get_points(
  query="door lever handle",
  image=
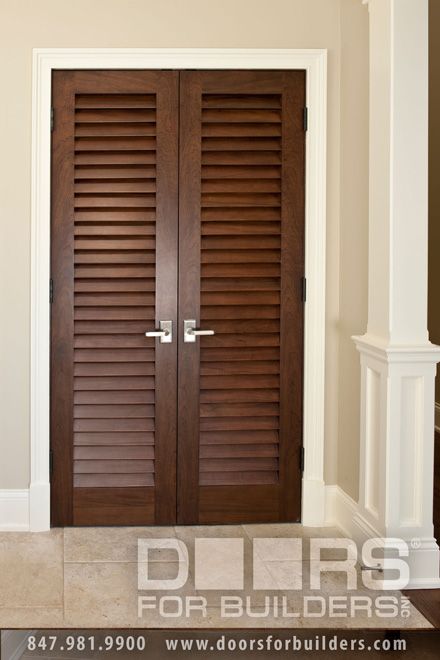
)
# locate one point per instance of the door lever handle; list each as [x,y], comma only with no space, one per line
[165,332]
[190,332]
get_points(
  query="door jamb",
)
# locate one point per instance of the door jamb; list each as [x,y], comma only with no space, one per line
[314,62]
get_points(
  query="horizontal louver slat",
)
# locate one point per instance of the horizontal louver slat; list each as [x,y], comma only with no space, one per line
[114,290]
[240,289]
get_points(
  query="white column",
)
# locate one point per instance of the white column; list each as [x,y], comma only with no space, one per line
[397,359]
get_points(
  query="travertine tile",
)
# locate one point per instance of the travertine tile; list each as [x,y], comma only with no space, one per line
[31,617]
[31,569]
[188,533]
[258,590]
[290,530]
[296,531]
[100,594]
[90,544]
[287,575]
[101,582]
[106,594]
[255,617]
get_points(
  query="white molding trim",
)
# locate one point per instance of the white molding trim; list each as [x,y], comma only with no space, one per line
[437,417]
[14,510]
[343,512]
[314,62]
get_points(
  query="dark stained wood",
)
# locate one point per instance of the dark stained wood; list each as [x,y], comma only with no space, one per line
[427,601]
[189,294]
[292,270]
[129,506]
[114,265]
[129,160]
[62,312]
[255,504]
[166,299]
[242,181]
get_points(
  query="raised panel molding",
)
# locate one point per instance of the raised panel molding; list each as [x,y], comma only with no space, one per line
[372,435]
[397,405]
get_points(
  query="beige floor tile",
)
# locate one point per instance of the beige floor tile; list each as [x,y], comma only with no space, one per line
[188,533]
[31,569]
[256,617]
[296,531]
[290,530]
[284,619]
[163,573]
[220,566]
[106,595]
[287,575]
[31,617]
[106,544]
[101,585]
[100,594]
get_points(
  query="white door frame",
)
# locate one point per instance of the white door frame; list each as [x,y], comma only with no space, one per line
[314,62]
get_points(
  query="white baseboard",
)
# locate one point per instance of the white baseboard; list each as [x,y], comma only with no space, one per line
[437,417]
[14,510]
[339,508]
[14,643]
[343,512]
[39,506]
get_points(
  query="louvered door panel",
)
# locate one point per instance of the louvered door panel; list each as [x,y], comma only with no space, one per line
[242,214]
[251,402]
[114,268]
[101,129]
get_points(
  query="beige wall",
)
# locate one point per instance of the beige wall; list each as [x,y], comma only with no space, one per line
[353,265]
[338,25]
[434,179]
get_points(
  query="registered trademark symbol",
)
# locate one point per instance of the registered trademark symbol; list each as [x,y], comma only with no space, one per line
[415,544]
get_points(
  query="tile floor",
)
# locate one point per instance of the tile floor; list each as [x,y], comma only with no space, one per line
[87,577]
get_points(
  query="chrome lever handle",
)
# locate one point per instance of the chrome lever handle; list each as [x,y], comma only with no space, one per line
[190,332]
[165,333]
[197,333]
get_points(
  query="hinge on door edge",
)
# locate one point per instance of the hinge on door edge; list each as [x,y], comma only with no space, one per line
[51,290]
[301,459]
[306,118]
[52,113]
[303,289]
[51,462]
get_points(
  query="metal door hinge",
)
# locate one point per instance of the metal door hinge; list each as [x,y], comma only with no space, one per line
[303,289]
[51,290]
[52,114]
[51,462]
[301,459]
[306,118]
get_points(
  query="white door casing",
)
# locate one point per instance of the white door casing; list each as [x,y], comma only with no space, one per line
[314,62]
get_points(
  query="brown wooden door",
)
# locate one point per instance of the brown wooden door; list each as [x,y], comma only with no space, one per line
[241,220]
[114,270]
[124,215]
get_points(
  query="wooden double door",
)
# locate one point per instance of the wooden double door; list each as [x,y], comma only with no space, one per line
[177,206]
